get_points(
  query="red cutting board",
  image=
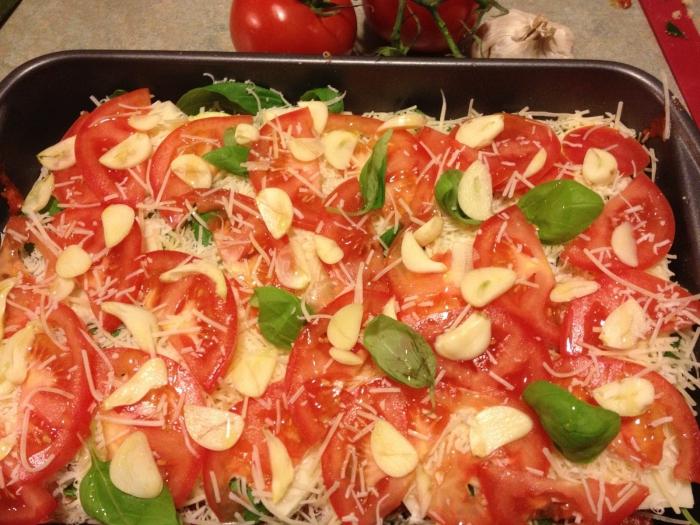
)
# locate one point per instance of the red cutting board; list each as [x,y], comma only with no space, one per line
[682,54]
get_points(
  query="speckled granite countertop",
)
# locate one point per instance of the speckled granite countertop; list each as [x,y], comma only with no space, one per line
[42,26]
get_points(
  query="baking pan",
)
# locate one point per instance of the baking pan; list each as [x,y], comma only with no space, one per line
[40,99]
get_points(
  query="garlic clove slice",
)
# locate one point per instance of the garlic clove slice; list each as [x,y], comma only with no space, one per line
[467,341]
[624,326]
[474,193]
[246,134]
[72,262]
[338,148]
[628,397]
[151,375]
[276,210]
[599,166]
[536,163]
[129,153]
[39,196]
[212,428]
[573,289]
[117,220]
[59,156]
[201,267]
[496,426]
[193,170]
[429,231]
[415,259]
[305,149]
[624,245]
[391,451]
[319,113]
[346,357]
[327,249]
[479,132]
[141,323]
[481,286]
[411,120]
[344,327]
[133,469]
[280,464]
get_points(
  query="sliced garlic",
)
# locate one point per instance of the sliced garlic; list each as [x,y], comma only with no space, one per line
[212,428]
[624,245]
[117,220]
[573,289]
[305,149]
[193,170]
[276,210]
[480,131]
[39,196]
[417,500]
[61,288]
[338,148]
[202,267]
[344,327]
[271,114]
[389,309]
[208,114]
[411,120]
[7,443]
[13,354]
[625,325]
[290,274]
[495,427]
[140,322]
[327,249]
[6,286]
[474,193]
[72,262]
[599,166]
[429,231]
[307,476]
[133,469]
[629,397]
[129,153]
[481,286]
[144,121]
[415,259]
[468,340]
[246,134]
[536,163]
[164,114]
[346,357]
[319,113]
[151,375]
[59,156]
[281,466]
[253,364]
[391,451]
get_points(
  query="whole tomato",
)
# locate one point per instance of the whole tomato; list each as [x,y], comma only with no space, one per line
[381,15]
[293,26]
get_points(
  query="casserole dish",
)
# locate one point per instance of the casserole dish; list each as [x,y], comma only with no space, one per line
[372,85]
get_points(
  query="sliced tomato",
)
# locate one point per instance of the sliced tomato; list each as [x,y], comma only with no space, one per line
[197,137]
[514,358]
[444,147]
[369,494]
[668,306]
[516,146]
[53,415]
[138,100]
[668,402]
[268,413]
[508,240]
[178,458]
[311,374]
[643,206]
[208,322]
[456,490]
[365,126]
[518,497]
[630,155]
[27,504]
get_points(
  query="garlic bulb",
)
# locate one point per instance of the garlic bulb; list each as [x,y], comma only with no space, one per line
[523,35]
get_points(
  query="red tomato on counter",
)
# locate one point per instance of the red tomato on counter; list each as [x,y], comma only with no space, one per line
[293,26]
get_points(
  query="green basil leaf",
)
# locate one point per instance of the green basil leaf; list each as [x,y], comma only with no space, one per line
[400,352]
[372,176]
[673,30]
[233,97]
[236,487]
[117,93]
[579,430]
[229,159]
[324,94]
[386,239]
[280,316]
[229,138]
[446,197]
[201,233]
[71,491]
[52,207]
[104,502]
[561,209]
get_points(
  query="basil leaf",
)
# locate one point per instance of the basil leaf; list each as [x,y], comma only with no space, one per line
[561,209]
[579,430]
[52,207]
[229,138]
[236,487]
[233,97]
[673,30]
[71,491]
[104,502]
[117,93]
[280,316]
[324,94]
[387,238]
[229,159]
[201,233]
[372,176]
[446,197]
[400,352]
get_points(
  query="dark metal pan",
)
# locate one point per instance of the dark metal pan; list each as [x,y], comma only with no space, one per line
[40,99]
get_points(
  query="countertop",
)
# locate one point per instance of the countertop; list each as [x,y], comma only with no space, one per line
[602,31]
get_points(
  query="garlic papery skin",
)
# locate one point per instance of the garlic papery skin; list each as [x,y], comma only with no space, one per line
[523,35]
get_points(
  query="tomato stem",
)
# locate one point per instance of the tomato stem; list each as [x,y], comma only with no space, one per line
[440,23]
[395,38]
